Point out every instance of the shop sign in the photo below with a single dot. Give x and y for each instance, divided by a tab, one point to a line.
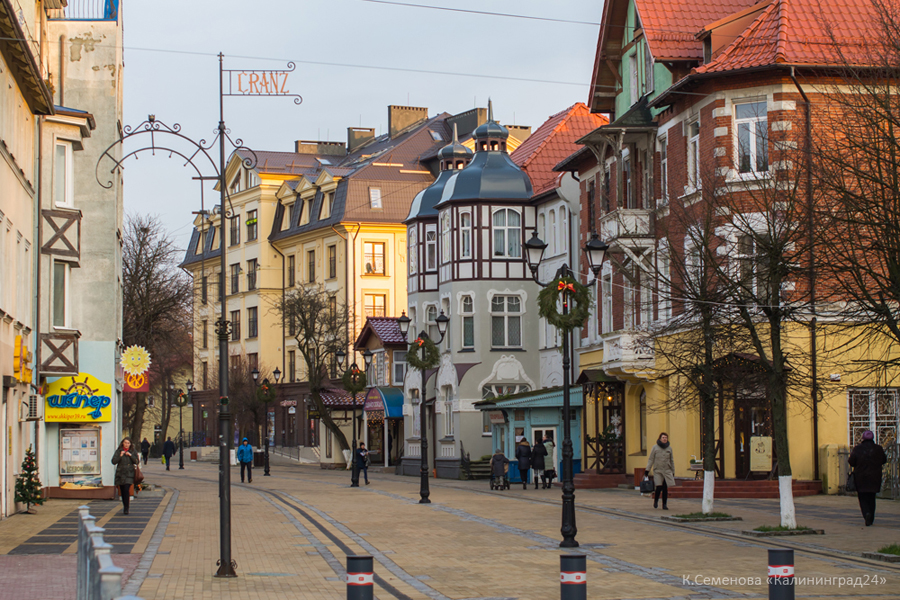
761	453
289	403
135	362
313	413
81	398
292	410
497	417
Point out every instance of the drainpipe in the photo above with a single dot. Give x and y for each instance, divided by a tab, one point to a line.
813	357
36	299
283	328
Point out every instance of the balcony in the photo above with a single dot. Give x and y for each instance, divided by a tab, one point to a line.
628	355
86	10
629	227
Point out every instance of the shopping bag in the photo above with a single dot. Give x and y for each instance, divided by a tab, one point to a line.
138	475
647	486
163	460
851	483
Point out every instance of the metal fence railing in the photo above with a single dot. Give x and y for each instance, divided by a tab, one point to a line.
86	10
890	474
97	577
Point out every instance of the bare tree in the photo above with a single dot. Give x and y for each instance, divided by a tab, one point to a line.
320	326
156	296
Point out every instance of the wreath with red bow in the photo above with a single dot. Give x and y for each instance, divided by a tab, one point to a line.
432	354
565	291
354	380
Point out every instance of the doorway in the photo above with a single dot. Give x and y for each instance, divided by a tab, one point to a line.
752	417
552	459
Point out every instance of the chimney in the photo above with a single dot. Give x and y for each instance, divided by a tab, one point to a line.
520	132
402	117
326	148
358	136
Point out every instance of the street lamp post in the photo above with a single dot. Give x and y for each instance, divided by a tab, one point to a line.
181	401
534	253
354	470
442	321
277	375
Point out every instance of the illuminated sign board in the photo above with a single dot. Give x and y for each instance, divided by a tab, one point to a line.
81	398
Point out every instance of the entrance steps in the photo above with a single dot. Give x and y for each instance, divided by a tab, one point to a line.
738	488
591	480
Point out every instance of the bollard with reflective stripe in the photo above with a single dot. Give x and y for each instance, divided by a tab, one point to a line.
572	577
360	578
781	575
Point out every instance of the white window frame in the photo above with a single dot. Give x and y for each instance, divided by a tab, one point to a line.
649	83
553	231
563	229
752	123
664	267
415	400
693	155
465	234
431	248
507	315
664	170
506	229
366	254
398	367
467	315
413	253
628	180
68	194
447	393
876	421
634	79
606	289
375	201
446	245
67	274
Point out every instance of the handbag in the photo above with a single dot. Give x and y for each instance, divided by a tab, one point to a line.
550	473
851	483
647	485
138	475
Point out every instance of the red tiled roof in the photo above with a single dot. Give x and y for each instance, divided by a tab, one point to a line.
387	329
671	25
336	398
553	142
794	32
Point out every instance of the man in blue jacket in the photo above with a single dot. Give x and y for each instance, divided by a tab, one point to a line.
245	457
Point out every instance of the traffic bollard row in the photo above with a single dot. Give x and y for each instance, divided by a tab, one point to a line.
781	575
360	578
573	577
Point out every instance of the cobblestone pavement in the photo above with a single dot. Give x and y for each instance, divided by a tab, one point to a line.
292	531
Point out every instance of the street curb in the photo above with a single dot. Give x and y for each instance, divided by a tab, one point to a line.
890	558
700	519
784	533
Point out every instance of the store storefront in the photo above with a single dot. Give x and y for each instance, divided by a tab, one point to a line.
384	425
81	437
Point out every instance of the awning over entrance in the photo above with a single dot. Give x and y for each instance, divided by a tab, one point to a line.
545	398
388	400
595	376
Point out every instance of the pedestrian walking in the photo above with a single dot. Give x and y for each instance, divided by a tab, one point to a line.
550	473
662	465
523	455
168	451
145	450
538	454
499	464
245	457
125	459
362	461
867	458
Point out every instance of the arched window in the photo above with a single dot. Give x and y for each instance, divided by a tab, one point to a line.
552	241
563	230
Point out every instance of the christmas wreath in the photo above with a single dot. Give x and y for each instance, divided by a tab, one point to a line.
354	380
576	296
432	355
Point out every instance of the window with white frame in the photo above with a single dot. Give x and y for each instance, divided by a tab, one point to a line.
664	303
430	248
507	227
63	177
751	265
431	313
413	253
375	198
751	131
398	360
551	243
506	322
876	410
542	226
693	155
447	393
648	69
693	265
373	255
606	292
416	411
445	237
634	78
60	294
563	229
628	192
465	235
631	297
663	171
467	312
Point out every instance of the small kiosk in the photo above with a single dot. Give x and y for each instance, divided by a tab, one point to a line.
384	424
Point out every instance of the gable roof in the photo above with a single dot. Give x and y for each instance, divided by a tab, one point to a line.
553	142
386	329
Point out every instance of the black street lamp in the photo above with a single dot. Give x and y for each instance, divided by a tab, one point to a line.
442	322
181	401
277	375
534	253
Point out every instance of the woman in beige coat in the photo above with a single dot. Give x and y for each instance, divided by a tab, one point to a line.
662	465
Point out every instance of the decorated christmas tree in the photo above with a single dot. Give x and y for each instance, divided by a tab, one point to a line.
28	486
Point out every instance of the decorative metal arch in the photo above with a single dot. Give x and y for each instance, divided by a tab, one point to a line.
169	139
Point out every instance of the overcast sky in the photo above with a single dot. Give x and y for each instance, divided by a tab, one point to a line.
171	71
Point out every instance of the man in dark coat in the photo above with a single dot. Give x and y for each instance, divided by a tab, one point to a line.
523	455
498	466
867	459
145	450
168	451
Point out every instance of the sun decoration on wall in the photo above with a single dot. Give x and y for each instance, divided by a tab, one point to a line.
82	388
135	363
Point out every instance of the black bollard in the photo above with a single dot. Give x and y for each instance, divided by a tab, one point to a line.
360	578
572	577
781	575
